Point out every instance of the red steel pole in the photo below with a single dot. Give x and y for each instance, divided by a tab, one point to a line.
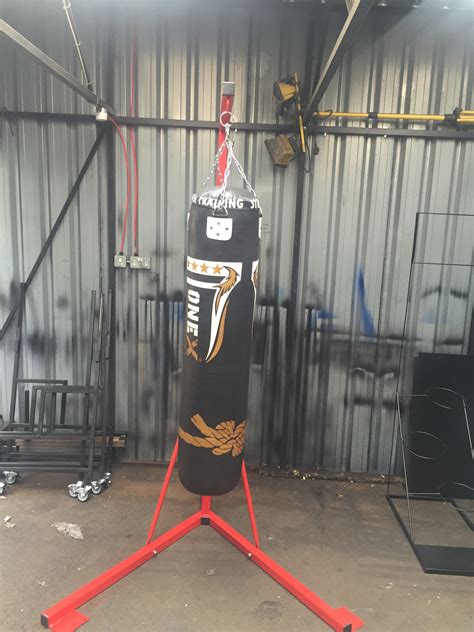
227	101
164	489
248	496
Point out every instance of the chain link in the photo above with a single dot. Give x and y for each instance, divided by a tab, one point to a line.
240	169
215	164
231	158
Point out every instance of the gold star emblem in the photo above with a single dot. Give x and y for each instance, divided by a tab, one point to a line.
217	269
204	267
194	265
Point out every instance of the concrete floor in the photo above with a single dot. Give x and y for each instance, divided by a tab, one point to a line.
341	539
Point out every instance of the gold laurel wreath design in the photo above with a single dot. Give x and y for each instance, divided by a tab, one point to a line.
224	438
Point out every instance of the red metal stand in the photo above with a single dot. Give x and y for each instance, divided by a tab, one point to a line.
64	617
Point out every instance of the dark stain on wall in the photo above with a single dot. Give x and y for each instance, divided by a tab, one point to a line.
62	301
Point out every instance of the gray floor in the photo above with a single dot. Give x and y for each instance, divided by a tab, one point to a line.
341	539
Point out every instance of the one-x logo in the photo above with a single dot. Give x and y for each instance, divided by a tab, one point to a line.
191	349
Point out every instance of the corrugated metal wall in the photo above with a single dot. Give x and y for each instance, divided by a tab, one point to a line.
334	408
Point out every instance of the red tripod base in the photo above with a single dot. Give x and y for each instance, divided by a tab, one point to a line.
64	617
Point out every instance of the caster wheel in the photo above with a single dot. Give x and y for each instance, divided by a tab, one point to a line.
73	491
83	494
10	477
96	487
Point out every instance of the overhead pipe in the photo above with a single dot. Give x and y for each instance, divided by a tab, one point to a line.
458	117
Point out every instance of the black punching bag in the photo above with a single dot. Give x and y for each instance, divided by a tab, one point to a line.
221	276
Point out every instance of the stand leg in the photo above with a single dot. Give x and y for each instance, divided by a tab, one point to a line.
248	496
164	489
206	506
63	617
340	619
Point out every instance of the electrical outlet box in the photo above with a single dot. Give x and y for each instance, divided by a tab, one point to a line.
141	263
135	262
120	261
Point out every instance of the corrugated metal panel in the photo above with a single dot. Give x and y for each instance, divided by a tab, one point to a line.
359	230
358	217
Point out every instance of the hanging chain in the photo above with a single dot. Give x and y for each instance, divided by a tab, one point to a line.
231	158
240	169
215	164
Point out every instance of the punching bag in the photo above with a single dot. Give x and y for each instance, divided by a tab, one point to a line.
224	232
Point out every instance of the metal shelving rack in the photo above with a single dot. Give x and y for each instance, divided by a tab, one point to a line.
49	434
432	441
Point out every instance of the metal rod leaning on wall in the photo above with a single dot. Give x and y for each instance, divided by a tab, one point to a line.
57	224
107	426
97	386
87	381
16	362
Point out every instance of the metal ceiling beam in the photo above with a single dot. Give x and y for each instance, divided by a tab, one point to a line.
51	66
438	133
357	14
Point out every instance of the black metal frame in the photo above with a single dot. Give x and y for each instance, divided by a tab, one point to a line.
27	408
93	439
434	559
421	550
318	130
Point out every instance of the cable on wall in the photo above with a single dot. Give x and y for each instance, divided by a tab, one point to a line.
132	144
